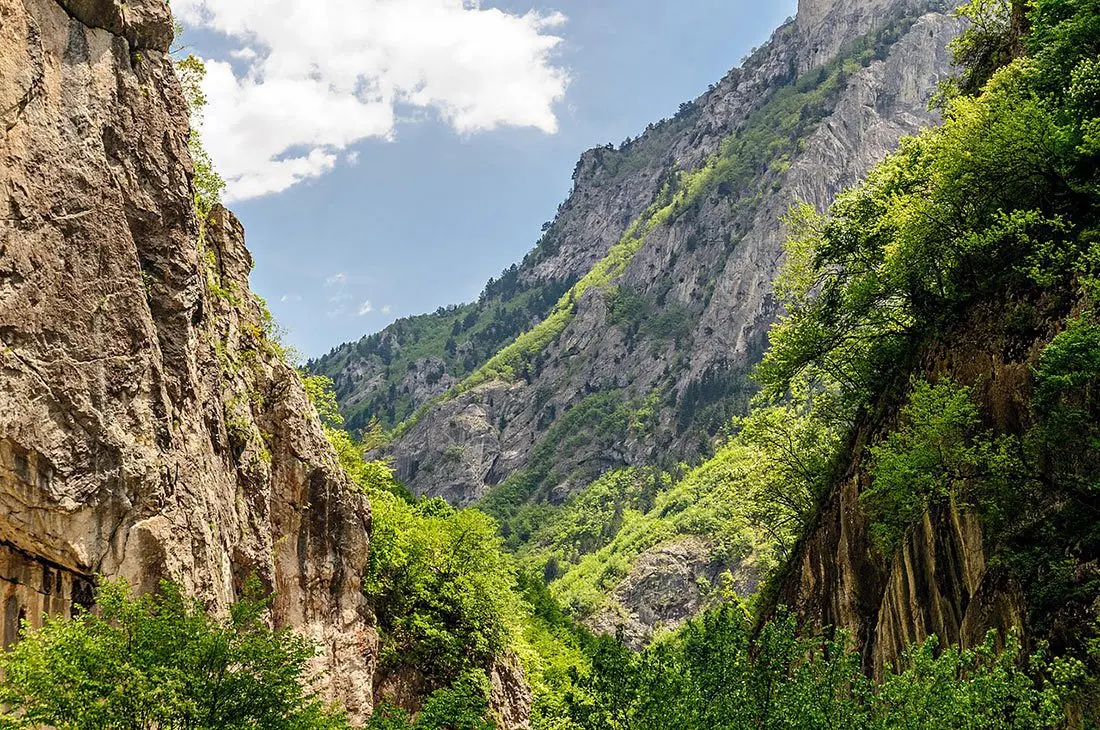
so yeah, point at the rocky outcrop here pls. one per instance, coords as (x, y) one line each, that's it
(702, 283)
(668, 585)
(148, 427)
(944, 580)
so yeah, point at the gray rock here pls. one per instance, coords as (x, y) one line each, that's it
(668, 585)
(715, 268)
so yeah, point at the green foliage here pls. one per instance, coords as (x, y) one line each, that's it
(1055, 511)
(601, 418)
(445, 596)
(637, 316)
(208, 185)
(788, 454)
(162, 662)
(1001, 197)
(750, 502)
(991, 40)
(320, 391)
(370, 476)
(591, 518)
(441, 586)
(463, 705)
(455, 341)
(718, 673)
(939, 455)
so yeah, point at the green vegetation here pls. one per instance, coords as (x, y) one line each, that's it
(208, 184)
(750, 502)
(719, 672)
(161, 662)
(938, 456)
(451, 343)
(441, 586)
(602, 418)
(443, 589)
(462, 706)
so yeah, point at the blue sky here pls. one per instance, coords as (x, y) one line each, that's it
(413, 201)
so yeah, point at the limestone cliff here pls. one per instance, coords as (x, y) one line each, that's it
(148, 428)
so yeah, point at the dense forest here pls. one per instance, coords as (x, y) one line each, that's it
(981, 236)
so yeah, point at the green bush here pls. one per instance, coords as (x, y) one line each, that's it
(940, 455)
(441, 585)
(463, 705)
(162, 661)
(720, 672)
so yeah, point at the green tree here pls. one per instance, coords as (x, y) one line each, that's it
(162, 662)
(940, 454)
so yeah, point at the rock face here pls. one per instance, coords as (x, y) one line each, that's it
(148, 428)
(668, 585)
(944, 580)
(700, 285)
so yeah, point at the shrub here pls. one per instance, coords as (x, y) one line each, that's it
(162, 661)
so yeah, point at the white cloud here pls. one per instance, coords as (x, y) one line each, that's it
(386, 309)
(336, 281)
(320, 75)
(365, 308)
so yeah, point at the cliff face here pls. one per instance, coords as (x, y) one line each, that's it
(679, 328)
(946, 579)
(148, 428)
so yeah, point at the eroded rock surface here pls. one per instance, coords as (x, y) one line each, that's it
(668, 585)
(148, 428)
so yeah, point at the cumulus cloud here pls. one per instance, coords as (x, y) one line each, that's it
(309, 78)
(365, 308)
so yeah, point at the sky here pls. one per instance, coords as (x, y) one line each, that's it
(388, 157)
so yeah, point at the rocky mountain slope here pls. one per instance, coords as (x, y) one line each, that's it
(148, 427)
(666, 250)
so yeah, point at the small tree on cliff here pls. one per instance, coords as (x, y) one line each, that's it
(162, 662)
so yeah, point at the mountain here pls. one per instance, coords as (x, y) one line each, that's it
(627, 335)
(899, 530)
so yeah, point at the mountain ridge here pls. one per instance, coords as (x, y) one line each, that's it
(469, 433)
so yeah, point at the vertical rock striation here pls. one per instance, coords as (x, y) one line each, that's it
(148, 427)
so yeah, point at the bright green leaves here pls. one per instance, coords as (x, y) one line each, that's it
(1067, 404)
(320, 391)
(441, 586)
(991, 40)
(721, 673)
(939, 455)
(464, 705)
(163, 662)
(209, 185)
(991, 686)
(996, 198)
(789, 455)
